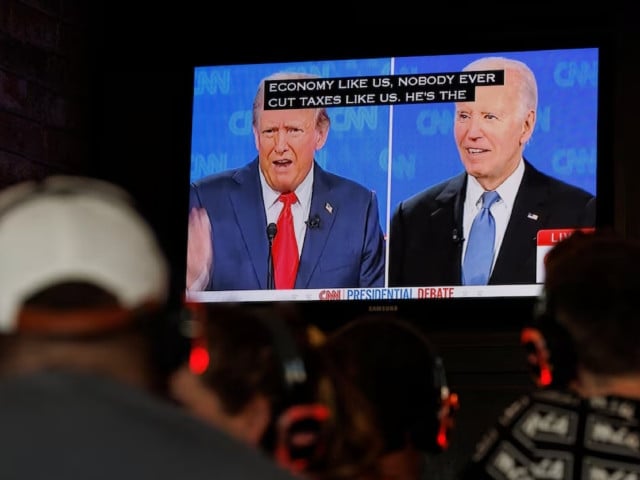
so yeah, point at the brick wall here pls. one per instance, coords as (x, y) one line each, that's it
(45, 102)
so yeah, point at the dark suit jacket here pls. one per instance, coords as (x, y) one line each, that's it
(345, 250)
(425, 237)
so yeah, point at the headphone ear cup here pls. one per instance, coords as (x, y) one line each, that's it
(550, 352)
(425, 433)
(537, 356)
(171, 339)
(299, 435)
(561, 353)
(448, 407)
(432, 434)
(447, 404)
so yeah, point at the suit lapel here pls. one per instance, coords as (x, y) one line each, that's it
(252, 221)
(527, 217)
(452, 196)
(326, 207)
(449, 246)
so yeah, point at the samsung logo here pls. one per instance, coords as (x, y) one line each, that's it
(382, 308)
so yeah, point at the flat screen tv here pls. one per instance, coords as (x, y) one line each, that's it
(392, 131)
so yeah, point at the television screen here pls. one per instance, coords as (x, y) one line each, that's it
(386, 214)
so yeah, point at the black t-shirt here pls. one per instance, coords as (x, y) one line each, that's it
(555, 435)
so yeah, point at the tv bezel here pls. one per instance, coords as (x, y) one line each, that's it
(451, 313)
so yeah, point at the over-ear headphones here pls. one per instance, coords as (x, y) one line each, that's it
(448, 404)
(398, 370)
(172, 336)
(549, 347)
(297, 414)
(433, 434)
(65, 195)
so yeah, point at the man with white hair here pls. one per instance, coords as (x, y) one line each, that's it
(432, 234)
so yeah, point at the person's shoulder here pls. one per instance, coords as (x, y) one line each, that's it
(430, 192)
(625, 409)
(339, 182)
(108, 419)
(554, 396)
(513, 442)
(433, 195)
(557, 186)
(220, 179)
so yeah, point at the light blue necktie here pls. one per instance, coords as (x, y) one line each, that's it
(479, 255)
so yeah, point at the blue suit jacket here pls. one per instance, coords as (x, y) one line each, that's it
(345, 250)
(425, 238)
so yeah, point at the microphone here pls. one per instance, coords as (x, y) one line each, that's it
(272, 229)
(313, 222)
(456, 237)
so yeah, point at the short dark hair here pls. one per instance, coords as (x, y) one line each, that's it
(592, 288)
(392, 362)
(246, 358)
(243, 359)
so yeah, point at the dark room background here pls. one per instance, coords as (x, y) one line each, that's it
(91, 88)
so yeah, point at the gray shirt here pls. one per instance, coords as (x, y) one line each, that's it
(73, 426)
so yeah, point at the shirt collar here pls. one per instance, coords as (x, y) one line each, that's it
(507, 189)
(303, 192)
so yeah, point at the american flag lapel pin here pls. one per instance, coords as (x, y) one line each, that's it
(532, 216)
(328, 207)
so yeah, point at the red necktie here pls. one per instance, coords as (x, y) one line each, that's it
(285, 247)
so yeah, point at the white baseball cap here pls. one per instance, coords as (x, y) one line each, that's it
(75, 229)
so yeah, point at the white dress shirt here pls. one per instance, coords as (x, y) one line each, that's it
(501, 209)
(299, 210)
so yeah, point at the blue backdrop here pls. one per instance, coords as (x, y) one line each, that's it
(402, 149)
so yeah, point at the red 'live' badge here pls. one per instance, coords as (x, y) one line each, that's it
(545, 240)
